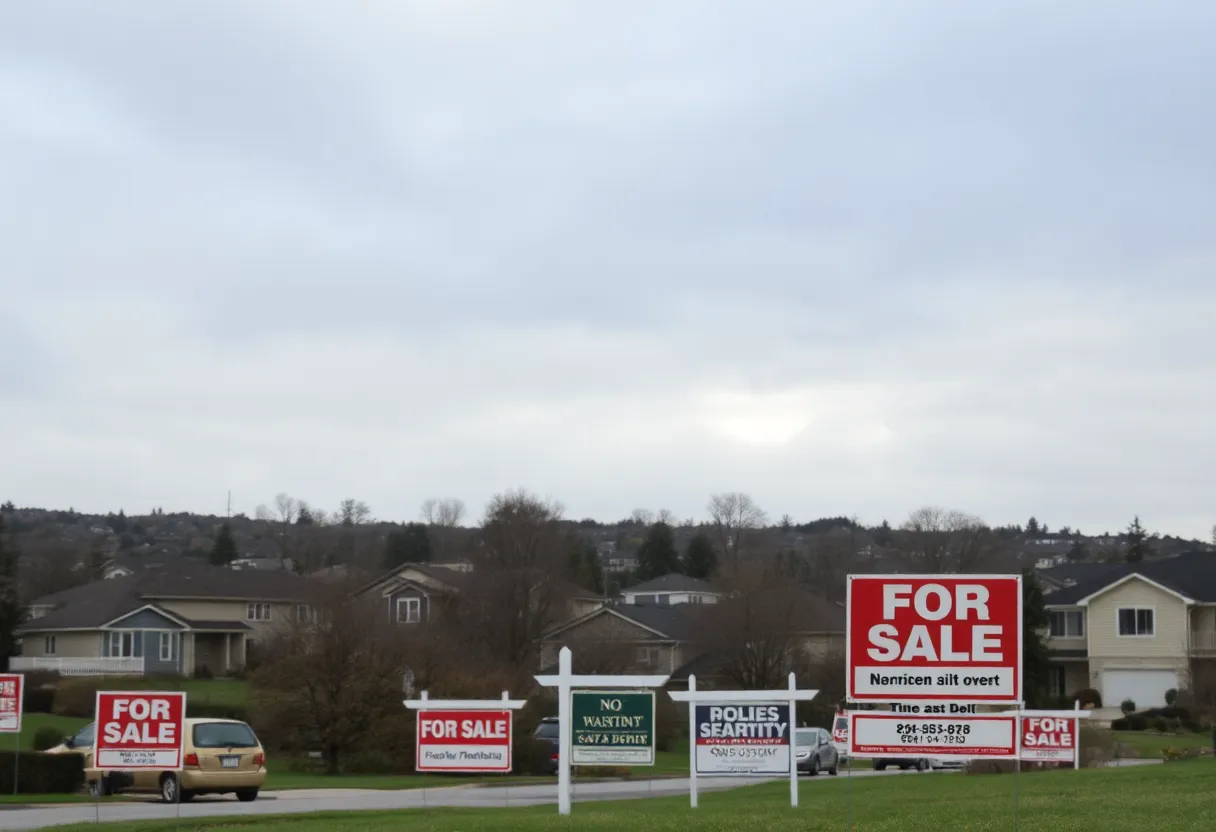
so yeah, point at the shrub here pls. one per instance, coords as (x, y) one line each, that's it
(1097, 746)
(1088, 697)
(669, 723)
(204, 672)
(1174, 712)
(1136, 722)
(43, 773)
(1120, 724)
(1161, 724)
(78, 696)
(47, 737)
(530, 756)
(1128, 706)
(1171, 696)
(38, 700)
(213, 710)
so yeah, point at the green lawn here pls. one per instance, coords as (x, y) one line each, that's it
(1176, 797)
(1151, 744)
(30, 723)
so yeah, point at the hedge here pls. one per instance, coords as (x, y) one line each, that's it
(38, 700)
(43, 773)
(213, 710)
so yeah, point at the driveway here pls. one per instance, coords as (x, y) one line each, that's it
(350, 800)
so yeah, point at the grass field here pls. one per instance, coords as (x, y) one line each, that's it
(1151, 744)
(1177, 797)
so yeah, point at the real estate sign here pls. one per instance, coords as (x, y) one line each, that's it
(1049, 739)
(743, 738)
(874, 734)
(139, 730)
(12, 691)
(463, 741)
(612, 728)
(935, 638)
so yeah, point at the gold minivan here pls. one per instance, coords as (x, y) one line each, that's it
(220, 756)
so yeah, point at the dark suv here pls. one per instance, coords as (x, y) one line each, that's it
(548, 732)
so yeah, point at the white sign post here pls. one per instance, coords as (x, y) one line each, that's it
(565, 681)
(473, 711)
(693, 697)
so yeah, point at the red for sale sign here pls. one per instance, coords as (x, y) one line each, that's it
(1049, 739)
(11, 692)
(463, 741)
(939, 638)
(140, 729)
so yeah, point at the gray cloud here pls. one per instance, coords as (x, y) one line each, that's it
(851, 257)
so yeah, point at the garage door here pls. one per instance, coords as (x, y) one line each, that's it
(1144, 687)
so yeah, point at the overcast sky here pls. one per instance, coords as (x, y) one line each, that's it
(849, 257)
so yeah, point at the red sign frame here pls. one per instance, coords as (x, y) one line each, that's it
(130, 727)
(936, 626)
(12, 690)
(455, 723)
(891, 721)
(1057, 752)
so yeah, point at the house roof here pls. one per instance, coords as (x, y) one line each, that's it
(94, 604)
(446, 575)
(669, 583)
(1190, 575)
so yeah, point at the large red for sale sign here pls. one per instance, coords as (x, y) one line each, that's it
(1049, 738)
(934, 638)
(463, 741)
(139, 730)
(11, 692)
(873, 734)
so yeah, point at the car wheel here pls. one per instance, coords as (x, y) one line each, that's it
(922, 765)
(247, 795)
(813, 770)
(168, 788)
(880, 766)
(835, 769)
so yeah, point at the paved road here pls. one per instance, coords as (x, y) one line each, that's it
(342, 800)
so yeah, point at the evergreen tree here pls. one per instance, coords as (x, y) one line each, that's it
(410, 545)
(1036, 661)
(1138, 547)
(12, 613)
(1078, 551)
(585, 566)
(657, 555)
(224, 552)
(700, 559)
(882, 534)
(1032, 527)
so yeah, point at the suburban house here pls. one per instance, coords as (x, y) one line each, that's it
(1134, 631)
(417, 593)
(671, 589)
(189, 619)
(670, 639)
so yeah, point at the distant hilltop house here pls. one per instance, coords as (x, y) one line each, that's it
(669, 590)
(153, 621)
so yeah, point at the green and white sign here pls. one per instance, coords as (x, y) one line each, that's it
(612, 728)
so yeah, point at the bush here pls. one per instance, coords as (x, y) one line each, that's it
(78, 696)
(1097, 746)
(1088, 697)
(38, 700)
(204, 672)
(47, 737)
(1136, 722)
(1120, 724)
(1173, 712)
(1161, 725)
(530, 756)
(1128, 706)
(669, 723)
(213, 710)
(43, 773)
(1171, 696)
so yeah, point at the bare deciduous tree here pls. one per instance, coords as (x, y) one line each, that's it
(936, 540)
(735, 516)
(445, 514)
(833, 556)
(516, 590)
(642, 517)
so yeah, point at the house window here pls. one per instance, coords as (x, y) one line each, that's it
(649, 656)
(305, 614)
(168, 647)
(122, 645)
(1137, 621)
(1057, 681)
(1068, 624)
(409, 610)
(257, 612)
(48, 645)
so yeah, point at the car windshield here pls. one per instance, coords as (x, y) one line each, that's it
(808, 736)
(224, 735)
(547, 731)
(84, 739)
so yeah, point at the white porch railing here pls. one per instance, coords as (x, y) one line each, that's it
(1203, 642)
(78, 667)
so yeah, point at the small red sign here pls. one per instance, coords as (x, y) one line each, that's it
(1049, 739)
(12, 690)
(463, 741)
(140, 730)
(940, 638)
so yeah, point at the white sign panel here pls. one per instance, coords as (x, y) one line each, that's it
(901, 735)
(743, 738)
